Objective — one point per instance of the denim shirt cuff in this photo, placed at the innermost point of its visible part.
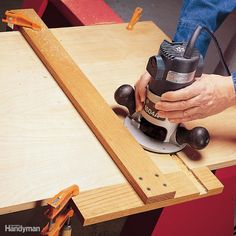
(184, 32)
(234, 80)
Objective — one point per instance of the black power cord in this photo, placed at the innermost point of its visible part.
(191, 43)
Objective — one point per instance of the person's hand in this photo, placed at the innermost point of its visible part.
(141, 90)
(207, 96)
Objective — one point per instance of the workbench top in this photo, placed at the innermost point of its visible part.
(46, 146)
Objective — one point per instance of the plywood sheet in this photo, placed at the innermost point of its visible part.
(130, 64)
(45, 145)
(41, 155)
(145, 177)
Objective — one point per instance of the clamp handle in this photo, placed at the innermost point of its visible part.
(135, 17)
(55, 228)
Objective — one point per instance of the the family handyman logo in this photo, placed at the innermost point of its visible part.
(21, 229)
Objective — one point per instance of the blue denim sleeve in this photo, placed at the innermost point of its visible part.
(209, 13)
(234, 79)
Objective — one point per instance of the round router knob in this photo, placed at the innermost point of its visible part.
(125, 96)
(197, 138)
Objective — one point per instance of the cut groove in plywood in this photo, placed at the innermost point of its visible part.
(204, 180)
(201, 188)
(122, 147)
(208, 179)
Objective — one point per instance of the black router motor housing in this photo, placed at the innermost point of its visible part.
(170, 70)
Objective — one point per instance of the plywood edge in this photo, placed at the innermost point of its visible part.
(208, 180)
(202, 161)
(115, 201)
(220, 165)
(121, 200)
(23, 207)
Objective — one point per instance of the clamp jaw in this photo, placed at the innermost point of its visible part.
(59, 212)
(16, 18)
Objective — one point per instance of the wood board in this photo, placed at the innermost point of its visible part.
(45, 119)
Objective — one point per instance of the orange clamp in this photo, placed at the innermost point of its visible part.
(16, 18)
(59, 212)
(135, 17)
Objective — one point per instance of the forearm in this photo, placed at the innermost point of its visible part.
(208, 13)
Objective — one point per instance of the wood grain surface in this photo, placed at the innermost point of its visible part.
(46, 146)
(144, 176)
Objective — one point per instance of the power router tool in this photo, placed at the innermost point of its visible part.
(175, 67)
